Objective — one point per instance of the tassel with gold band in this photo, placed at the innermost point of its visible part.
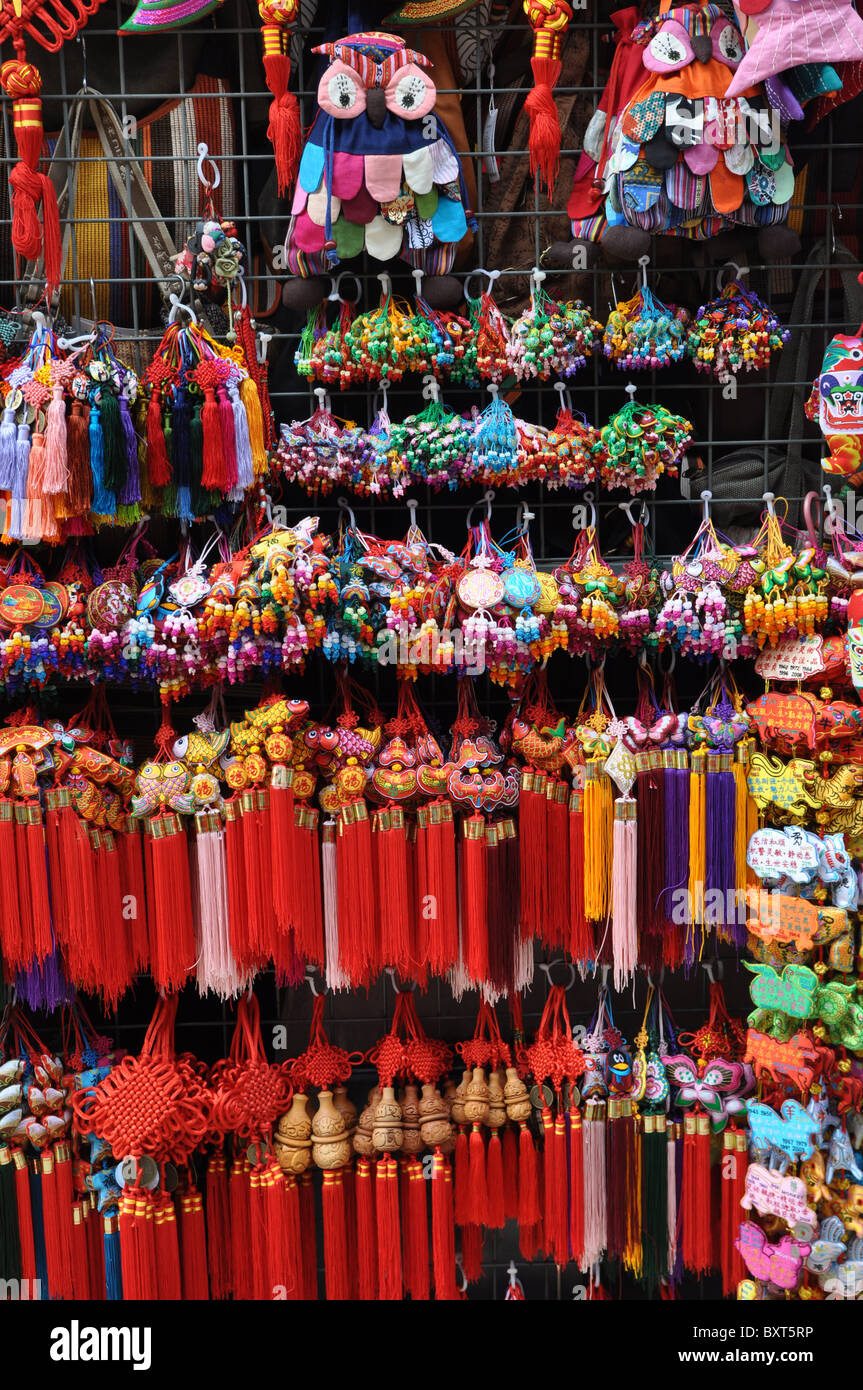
(549, 20)
(697, 842)
(22, 82)
(283, 131)
(598, 823)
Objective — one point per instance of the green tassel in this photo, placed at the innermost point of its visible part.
(10, 1244)
(654, 1206)
(113, 443)
(128, 514)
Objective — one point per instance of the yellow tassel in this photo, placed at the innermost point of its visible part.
(598, 830)
(252, 403)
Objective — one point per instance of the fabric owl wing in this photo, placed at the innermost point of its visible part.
(793, 33)
(376, 189)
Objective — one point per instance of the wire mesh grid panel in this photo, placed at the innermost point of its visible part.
(205, 84)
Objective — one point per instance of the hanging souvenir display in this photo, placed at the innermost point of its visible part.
(639, 444)
(641, 332)
(733, 333)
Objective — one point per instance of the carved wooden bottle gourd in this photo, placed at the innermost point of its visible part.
(497, 1102)
(477, 1102)
(435, 1126)
(292, 1141)
(458, 1100)
(346, 1108)
(518, 1106)
(388, 1133)
(410, 1106)
(330, 1145)
(362, 1139)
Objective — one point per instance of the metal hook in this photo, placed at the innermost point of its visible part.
(739, 272)
(644, 262)
(630, 390)
(344, 506)
(487, 498)
(310, 981)
(524, 516)
(643, 516)
(93, 301)
(460, 1274)
(492, 275)
(203, 154)
(769, 498)
(386, 284)
(706, 499)
(400, 989)
(176, 304)
(83, 42)
(548, 966)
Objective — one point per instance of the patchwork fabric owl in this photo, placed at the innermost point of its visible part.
(674, 154)
(379, 171)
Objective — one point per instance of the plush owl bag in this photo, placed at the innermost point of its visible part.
(675, 154)
(379, 171)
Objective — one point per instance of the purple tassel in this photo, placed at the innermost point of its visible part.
(720, 872)
(44, 986)
(676, 776)
(132, 487)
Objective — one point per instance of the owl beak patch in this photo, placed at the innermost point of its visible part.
(702, 47)
(376, 106)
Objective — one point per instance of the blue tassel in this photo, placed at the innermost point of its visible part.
(113, 1275)
(104, 502)
(8, 436)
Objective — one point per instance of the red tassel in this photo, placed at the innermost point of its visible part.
(213, 476)
(294, 1239)
(509, 1159)
(471, 1253)
(218, 1236)
(391, 857)
(258, 1251)
(11, 939)
(33, 895)
(555, 1224)
(280, 1252)
(309, 1240)
(167, 1250)
(133, 883)
(474, 897)
(25, 1219)
(172, 931)
(556, 927)
(22, 82)
(733, 1179)
(283, 853)
(443, 1229)
(284, 131)
(129, 1261)
(437, 890)
(239, 1209)
(367, 1254)
(581, 943)
(495, 1199)
(57, 1228)
(529, 1207)
(462, 1163)
(695, 1207)
(576, 1186)
(158, 465)
(193, 1246)
(93, 1228)
(80, 1255)
(416, 1251)
(235, 864)
(144, 1240)
(335, 1237)
(477, 1196)
(389, 1234)
(359, 950)
(533, 837)
(544, 138)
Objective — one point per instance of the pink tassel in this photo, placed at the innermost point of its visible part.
(624, 926)
(217, 970)
(595, 1213)
(56, 461)
(671, 1133)
(336, 977)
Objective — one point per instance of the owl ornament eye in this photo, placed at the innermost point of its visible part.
(410, 93)
(669, 50)
(340, 93)
(728, 46)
